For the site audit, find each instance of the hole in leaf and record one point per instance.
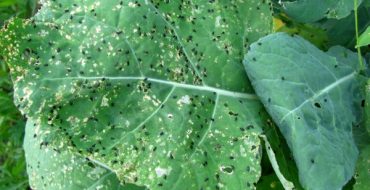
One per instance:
(227, 169)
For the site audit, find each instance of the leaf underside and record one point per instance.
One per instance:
(154, 90)
(314, 98)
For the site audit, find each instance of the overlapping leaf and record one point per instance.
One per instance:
(154, 90)
(315, 98)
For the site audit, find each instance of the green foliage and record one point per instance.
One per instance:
(12, 163)
(16, 8)
(314, 99)
(84, 75)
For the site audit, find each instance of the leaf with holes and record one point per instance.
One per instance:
(154, 90)
(314, 98)
(57, 168)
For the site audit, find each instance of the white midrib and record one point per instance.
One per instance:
(101, 164)
(321, 92)
(175, 84)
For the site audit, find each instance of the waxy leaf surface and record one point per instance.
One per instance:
(315, 98)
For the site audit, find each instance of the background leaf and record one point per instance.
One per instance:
(326, 32)
(314, 98)
(314, 10)
(342, 32)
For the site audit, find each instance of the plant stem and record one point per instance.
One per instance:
(356, 27)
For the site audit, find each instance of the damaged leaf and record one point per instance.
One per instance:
(154, 90)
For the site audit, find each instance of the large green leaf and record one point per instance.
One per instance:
(314, 10)
(314, 98)
(154, 90)
(58, 168)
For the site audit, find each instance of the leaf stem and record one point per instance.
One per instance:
(357, 34)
